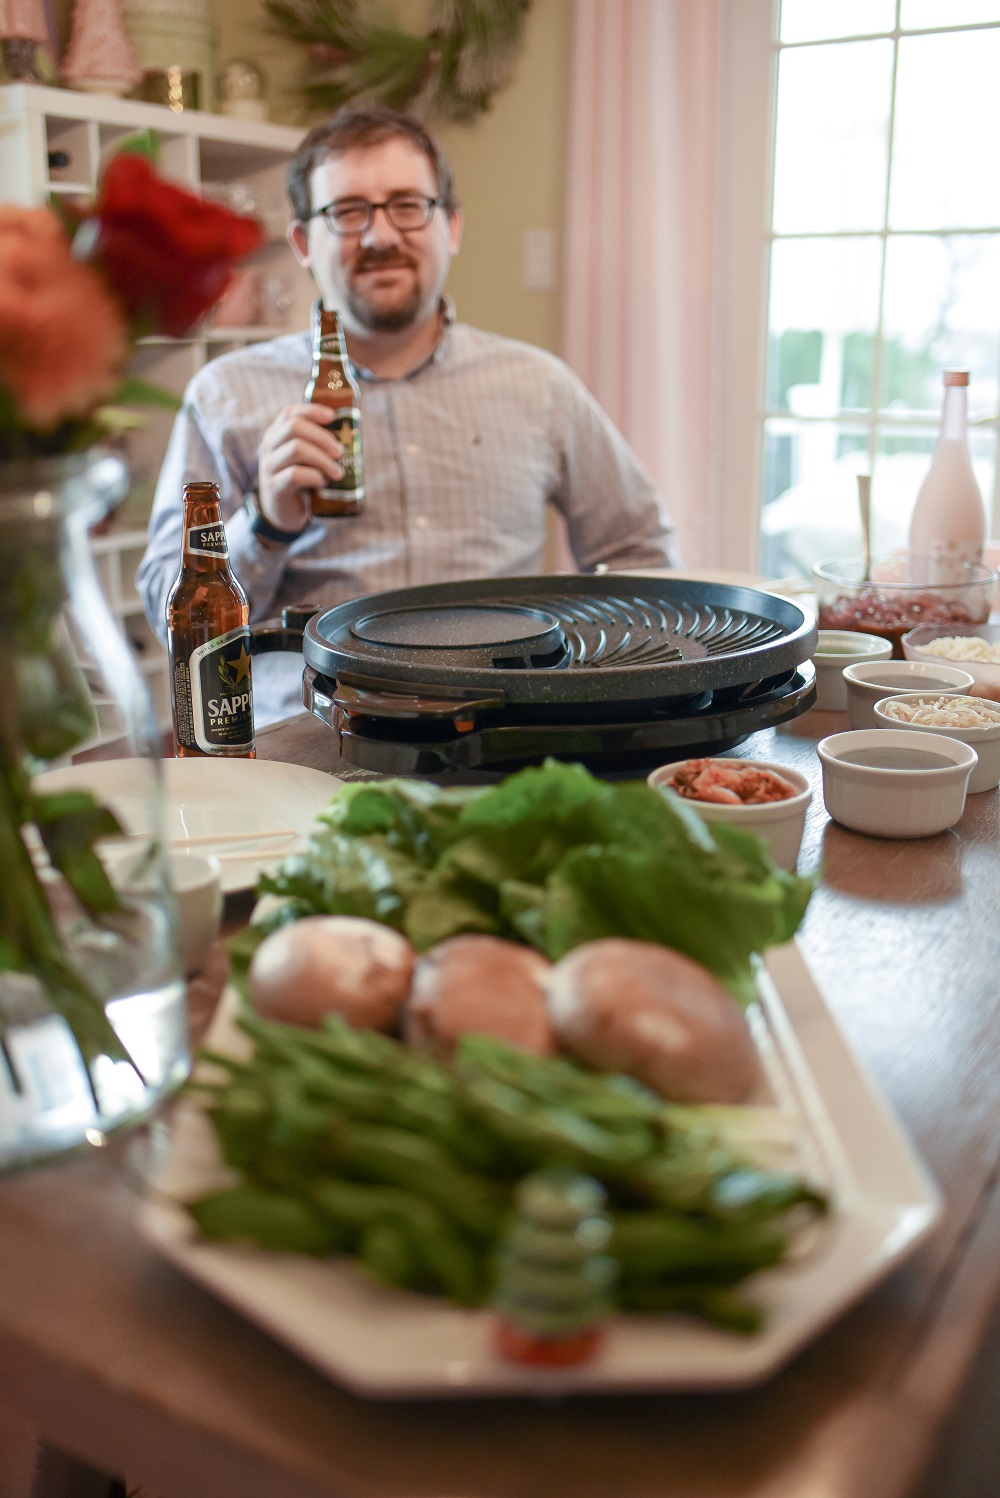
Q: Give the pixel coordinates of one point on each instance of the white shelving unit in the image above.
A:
(205, 153)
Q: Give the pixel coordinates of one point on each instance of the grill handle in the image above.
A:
(366, 702)
(347, 701)
(286, 635)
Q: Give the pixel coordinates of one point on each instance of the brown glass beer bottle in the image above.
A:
(332, 384)
(208, 635)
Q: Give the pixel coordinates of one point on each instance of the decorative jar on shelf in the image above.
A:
(93, 1027)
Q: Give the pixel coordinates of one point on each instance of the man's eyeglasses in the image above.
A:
(405, 212)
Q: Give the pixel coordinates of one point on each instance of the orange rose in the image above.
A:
(62, 334)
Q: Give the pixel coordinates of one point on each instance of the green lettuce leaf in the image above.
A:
(553, 857)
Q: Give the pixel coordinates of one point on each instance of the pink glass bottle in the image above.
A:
(948, 526)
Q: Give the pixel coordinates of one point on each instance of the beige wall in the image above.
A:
(509, 165)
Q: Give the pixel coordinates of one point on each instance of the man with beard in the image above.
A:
(467, 436)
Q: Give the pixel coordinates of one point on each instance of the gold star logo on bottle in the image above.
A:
(242, 665)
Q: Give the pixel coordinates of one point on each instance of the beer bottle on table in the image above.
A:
(332, 384)
(208, 634)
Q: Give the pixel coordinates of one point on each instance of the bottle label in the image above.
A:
(206, 541)
(948, 561)
(213, 695)
(329, 347)
(346, 427)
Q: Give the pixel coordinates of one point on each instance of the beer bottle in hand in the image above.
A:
(209, 638)
(332, 384)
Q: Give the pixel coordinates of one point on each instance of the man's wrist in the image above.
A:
(263, 529)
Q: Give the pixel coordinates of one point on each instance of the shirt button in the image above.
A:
(412, 449)
(421, 522)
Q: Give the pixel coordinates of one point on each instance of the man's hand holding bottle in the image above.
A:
(298, 454)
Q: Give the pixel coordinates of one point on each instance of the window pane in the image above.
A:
(821, 20)
(823, 315)
(810, 498)
(942, 310)
(947, 137)
(832, 137)
(917, 13)
(810, 493)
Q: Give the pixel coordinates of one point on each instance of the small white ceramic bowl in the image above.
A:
(197, 885)
(985, 674)
(837, 648)
(892, 802)
(866, 684)
(985, 741)
(779, 823)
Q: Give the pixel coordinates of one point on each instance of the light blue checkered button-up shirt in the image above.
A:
(461, 459)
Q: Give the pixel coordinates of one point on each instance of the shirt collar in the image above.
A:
(447, 310)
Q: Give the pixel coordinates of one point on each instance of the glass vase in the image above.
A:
(92, 1004)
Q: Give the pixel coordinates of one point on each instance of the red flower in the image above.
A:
(167, 254)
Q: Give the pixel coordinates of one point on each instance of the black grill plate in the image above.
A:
(564, 639)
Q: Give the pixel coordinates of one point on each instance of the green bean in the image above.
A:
(240, 1122)
(420, 1165)
(449, 1261)
(387, 1253)
(722, 1306)
(649, 1244)
(750, 1195)
(553, 1135)
(266, 1218)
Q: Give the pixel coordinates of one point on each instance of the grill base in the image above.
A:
(497, 742)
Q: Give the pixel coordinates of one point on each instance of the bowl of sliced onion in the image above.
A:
(974, 648)
(974, 721)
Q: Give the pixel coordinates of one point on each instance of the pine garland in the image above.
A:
(451, 72)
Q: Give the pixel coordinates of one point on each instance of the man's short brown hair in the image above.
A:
(363, 125)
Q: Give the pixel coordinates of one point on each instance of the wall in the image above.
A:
(509, 165)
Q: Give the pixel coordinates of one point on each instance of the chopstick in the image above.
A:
(224, 839)
(208, 840)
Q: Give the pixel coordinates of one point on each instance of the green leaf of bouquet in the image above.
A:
(143, 143)
(114, 420)
(69, 824)
(131, 391)
(55, 711)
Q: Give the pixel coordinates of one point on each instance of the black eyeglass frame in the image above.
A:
(325, 213)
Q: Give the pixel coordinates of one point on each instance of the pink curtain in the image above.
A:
(639, 323)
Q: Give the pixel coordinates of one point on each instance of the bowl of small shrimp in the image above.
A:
(770, 800)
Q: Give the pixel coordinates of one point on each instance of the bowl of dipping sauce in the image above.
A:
(866, 684)
(837, 648)
(971, 720)
(753, 794)
(972, 648)
(894, 782)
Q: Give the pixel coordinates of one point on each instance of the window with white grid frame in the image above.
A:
(884, 263)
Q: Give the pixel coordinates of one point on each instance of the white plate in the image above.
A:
(392, 1344)
(248, 813)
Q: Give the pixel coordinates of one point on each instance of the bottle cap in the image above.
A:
(956, 377)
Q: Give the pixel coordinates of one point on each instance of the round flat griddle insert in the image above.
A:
(486, 632)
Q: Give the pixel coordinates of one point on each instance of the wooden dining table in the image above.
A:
(111, 1355)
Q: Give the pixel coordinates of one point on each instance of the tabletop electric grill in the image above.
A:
(618, 673)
